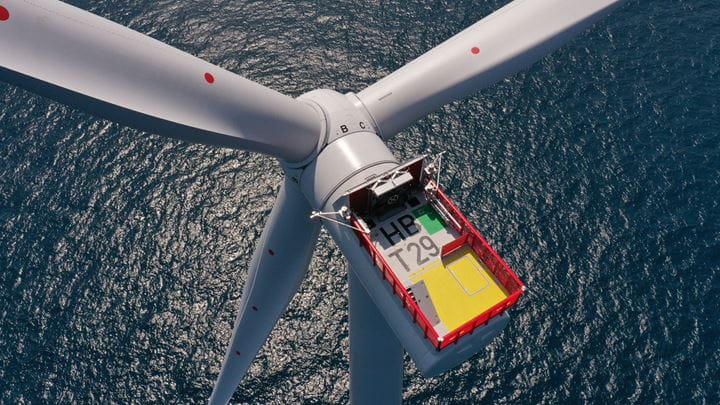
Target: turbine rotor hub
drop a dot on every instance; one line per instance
(350, 151)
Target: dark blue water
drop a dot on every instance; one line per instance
(596, 174)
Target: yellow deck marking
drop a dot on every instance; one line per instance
(460, 287)
(469, 274)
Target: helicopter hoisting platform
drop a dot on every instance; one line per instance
(450, 280)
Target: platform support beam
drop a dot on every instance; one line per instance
(376, 356)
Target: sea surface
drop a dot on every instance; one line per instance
(596, 174)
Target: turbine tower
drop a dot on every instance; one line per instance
(338, 170)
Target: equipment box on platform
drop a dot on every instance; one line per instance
(441, 268)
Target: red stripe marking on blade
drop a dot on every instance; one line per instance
(475, 50)
(209, 78)
(4, 14)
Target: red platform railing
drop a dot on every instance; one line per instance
(469, 237)
(502, 272)
(408, 302)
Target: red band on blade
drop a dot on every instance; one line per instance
(4, 14)
(209, 78)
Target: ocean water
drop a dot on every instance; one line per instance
(596, 174)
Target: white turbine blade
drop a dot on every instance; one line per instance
(502, 44)
(83, 60)
(280, 261)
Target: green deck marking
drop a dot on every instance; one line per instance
(429, 219)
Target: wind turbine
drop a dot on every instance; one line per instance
(329, 145)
